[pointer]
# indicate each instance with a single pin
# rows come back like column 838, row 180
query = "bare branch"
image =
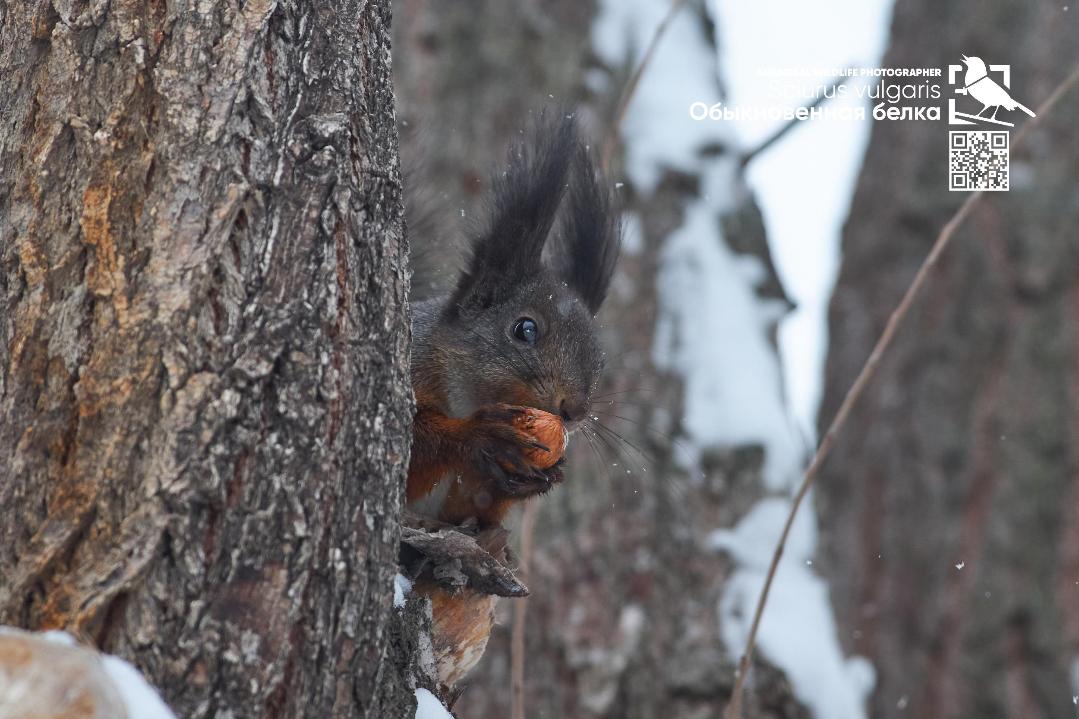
column 459, row 560
column 786, row 127
column 517, row 642
column 611, row 143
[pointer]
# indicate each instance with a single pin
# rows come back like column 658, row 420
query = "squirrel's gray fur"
column 547, row 252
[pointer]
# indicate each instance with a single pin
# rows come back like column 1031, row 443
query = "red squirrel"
column 517, row 330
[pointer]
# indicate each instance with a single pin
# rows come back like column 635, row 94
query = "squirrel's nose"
column 573, row 410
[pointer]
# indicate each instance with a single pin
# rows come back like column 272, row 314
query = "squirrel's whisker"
column 600, row 460
column 626, row 391
column 612, row 453
column 614, row 440
column 669, row 479
column 645, row 426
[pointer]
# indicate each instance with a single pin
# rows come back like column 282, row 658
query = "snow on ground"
column 804, row 185
column 713, row 327
column 429, row 707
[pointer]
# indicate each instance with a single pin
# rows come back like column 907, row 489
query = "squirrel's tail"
column 435, row 255
column 522, row 202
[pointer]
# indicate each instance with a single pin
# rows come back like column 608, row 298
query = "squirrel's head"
column 525, row 304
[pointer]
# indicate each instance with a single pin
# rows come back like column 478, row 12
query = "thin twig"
column 786, row 127
column 520, row 608
column 611, row 143
column 734, row 709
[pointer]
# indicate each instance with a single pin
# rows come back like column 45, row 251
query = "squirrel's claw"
column 533, row 481
column 501, row 454
column 554, row 473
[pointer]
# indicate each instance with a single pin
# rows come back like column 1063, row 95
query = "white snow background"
column 713, row 327
column 804, row 184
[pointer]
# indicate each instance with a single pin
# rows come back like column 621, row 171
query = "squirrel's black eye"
column 525, row 329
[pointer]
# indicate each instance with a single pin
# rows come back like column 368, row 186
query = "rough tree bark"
column 951, row 504
column 204, row 394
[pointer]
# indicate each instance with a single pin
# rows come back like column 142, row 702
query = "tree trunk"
column 204, row 392
column 952, row 499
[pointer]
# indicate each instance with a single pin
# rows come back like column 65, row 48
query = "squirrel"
column 515, row 334
column 517, row 330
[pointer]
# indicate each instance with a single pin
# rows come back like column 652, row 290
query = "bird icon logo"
column 979, row 86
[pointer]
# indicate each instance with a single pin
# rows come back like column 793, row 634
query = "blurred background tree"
column 950, row 507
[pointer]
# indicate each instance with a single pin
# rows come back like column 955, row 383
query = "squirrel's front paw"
column 504, row 454
column 537, row 482
column 498, row 446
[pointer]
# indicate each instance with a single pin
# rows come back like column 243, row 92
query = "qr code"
column 977, row 160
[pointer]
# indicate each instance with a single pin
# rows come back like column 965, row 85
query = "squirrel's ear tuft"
column 524, row 203
column 592, row 232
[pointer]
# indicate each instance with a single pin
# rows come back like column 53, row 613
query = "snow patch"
column 402, row 585
column 713, row 331
column 55, row 636
column 1075, row 683
column 429, row 707
column 805, row 182
column 752, row 542
column 657, row 130
column 797, row 631
column 140, row 699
